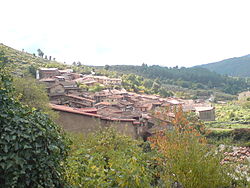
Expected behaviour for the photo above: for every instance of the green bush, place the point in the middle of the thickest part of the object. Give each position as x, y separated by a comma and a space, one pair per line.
33, 93
32, 148
190, 162
241, 135
219, 135
107, 159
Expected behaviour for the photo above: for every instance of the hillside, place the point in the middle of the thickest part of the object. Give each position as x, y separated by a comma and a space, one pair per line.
195, 78
23, 61
237, 66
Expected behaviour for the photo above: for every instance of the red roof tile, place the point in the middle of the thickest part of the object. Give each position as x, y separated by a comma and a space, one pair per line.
77, 111
80, 98
72, 110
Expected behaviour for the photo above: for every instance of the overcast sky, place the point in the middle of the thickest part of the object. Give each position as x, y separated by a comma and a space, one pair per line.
100, 32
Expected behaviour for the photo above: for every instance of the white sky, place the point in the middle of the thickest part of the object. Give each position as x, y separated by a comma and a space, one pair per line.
99, 32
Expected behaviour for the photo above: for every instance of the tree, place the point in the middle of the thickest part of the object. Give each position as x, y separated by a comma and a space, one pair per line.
32, 147
32, 70
164, 93
106, 67
96, 88
79, 64
40, 53
148, 83
155, 87
32, 93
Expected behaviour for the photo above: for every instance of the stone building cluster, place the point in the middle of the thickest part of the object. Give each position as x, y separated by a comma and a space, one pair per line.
129, 113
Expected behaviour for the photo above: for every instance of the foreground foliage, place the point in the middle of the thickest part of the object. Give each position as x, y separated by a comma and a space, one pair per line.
107, 159
32, 148
180, 157
189, 161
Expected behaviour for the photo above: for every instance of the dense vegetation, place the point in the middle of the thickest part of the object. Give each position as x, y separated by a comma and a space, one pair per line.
32, 146
108, 159
235, 114
170, 158
33, 93
191, 78
232, 125
237, 66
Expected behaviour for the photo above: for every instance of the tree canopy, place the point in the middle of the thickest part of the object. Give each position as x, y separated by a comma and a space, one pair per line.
192, 78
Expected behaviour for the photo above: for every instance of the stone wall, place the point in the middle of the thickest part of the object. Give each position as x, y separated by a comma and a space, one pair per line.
79, 123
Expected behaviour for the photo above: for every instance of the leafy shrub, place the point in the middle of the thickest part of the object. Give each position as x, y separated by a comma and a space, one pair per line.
33, 93
241, 135
107, 159
219, 135
189, 161
31, 145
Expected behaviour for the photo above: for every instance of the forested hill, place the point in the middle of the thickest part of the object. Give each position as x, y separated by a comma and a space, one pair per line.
237, 66
192, 78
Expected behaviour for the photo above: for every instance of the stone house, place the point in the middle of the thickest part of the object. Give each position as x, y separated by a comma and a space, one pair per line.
56, 89
244, 95
60, 78
75, 120
48, 81
100, 96
115, 81
70, 87
205, 113
47, 73
77, 101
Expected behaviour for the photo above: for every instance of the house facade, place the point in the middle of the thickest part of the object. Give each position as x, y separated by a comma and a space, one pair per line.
205, 113
77, 121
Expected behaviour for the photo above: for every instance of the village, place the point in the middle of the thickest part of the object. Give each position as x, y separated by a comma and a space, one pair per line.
84, 111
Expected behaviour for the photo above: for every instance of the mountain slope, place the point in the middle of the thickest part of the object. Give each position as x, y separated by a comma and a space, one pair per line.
192, 78
237, 66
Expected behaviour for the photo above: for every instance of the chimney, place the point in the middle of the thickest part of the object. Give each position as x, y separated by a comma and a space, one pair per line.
37, 75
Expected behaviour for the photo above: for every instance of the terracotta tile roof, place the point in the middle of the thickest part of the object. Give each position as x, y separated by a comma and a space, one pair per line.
48, 69
72, 110
69, 84
80, 98
47, 80
136, 122
66, 71
174, 102
118, 92
103, 103
82, 112
90, 82
125, 102
202, 109
88, 110
115, 97
54, 85
60, 77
